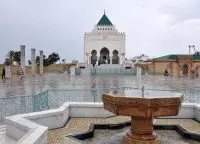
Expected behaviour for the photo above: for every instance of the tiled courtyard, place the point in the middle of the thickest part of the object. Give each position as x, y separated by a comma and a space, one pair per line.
76, 125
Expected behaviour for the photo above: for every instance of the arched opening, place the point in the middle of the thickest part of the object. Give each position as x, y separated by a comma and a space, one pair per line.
115, 58
104, 56
93, 57
197, 71
185, 70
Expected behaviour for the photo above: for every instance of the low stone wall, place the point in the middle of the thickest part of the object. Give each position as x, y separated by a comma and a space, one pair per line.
54, 68
32, 128
25, 128
197, 112
89, 110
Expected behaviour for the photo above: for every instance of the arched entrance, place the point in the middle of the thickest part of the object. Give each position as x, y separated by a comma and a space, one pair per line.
115, 58
104, 56
93, 57
185, 70
197, 71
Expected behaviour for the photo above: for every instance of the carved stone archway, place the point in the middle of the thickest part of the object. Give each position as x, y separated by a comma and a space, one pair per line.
197, 71
170, 68
93, 57
185, 69
115, 58
104, 56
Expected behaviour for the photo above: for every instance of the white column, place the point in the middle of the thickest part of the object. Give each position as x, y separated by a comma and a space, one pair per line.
22, 58
138, 75
8, 72
122, 58
88, 58
33, 61
98, 56
41, 62
111, 56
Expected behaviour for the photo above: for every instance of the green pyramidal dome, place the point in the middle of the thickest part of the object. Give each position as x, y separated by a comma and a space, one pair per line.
104, 21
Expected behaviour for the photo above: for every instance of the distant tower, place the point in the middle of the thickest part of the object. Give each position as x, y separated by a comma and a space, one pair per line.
104, 43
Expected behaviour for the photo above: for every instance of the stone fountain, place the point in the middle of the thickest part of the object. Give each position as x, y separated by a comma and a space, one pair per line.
142, 111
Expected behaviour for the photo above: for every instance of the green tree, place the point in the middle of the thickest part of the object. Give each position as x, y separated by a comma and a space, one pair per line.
54, 57
51, 59
14, 56
37, 60
11, 55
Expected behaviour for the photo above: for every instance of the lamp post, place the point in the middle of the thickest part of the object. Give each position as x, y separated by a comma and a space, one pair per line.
191, 46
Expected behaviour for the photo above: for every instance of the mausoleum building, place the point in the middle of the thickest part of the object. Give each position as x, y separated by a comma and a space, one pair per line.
104, 45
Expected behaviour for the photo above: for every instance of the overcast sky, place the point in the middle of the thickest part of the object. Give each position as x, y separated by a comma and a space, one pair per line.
155, 28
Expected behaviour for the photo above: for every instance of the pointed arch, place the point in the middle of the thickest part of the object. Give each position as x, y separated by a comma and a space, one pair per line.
115, 58
104, 55
93, 57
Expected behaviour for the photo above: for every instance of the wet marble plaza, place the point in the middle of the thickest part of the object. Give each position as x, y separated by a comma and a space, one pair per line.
116, 137
52, 90
62, 81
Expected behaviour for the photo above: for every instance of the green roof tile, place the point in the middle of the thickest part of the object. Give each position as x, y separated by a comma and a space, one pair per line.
173, 57
196, 57
167, 57
104, 21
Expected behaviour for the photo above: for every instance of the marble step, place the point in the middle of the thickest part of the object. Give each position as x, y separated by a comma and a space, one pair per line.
3, 138
2, 129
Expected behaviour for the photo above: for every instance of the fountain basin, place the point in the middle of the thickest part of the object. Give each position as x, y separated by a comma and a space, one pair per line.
142, 111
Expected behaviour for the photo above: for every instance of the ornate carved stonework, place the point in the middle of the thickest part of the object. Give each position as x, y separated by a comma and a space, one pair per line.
142, 112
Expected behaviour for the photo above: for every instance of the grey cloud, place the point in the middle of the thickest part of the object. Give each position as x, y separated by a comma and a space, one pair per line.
59, 25
181, 10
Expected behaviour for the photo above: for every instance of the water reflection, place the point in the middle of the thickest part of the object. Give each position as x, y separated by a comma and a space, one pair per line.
90, 89
32, 85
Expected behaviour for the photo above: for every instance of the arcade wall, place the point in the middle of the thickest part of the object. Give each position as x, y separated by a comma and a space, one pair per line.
159, 67
97, 42
54, 68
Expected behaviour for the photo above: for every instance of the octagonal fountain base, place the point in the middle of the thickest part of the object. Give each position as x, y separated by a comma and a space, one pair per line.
142, 111
141, 132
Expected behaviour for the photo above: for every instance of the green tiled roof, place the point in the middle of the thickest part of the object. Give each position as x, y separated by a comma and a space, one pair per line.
167, 57
104, 21
173, 57
196, 57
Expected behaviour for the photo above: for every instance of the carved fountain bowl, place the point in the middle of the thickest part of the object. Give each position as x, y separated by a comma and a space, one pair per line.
152, 107
142, 111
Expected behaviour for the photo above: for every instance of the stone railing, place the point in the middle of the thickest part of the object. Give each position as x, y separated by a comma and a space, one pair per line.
32, 128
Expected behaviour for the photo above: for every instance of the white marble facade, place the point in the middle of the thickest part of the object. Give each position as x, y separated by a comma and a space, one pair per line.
104, 44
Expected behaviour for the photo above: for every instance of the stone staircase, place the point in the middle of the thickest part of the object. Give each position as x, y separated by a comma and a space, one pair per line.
107, 69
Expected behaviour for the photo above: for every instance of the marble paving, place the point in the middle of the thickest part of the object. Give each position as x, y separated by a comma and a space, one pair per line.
116, 137
76, 125
63, 82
